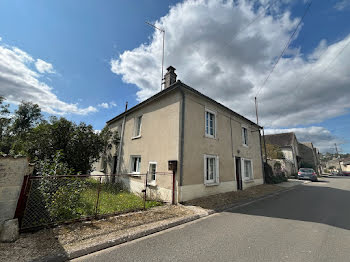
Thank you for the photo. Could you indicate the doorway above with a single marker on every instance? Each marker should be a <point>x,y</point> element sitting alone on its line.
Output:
<point>238,174</point>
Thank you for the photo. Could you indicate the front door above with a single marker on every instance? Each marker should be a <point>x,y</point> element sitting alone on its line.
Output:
<point>238,173</point>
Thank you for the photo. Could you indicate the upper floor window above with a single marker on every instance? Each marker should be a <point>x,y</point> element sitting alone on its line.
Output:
<point>244,136</point>
<point>137,126</point>
<point>210,123</point>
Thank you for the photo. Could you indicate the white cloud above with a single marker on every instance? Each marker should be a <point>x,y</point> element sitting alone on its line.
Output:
<point>0,38</point>
<point>44,67</point>
<point>19,82</point>
<point>321,137</point>
<point>342,4</point>
<point>107,105</point>
<point>219,51</point>
<point>104,105</point>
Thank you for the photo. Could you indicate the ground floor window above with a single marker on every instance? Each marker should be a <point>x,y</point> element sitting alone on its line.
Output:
<point>152,171</point>
<point>247,169</point>
<point>211,169</point>
<point>135,164</point>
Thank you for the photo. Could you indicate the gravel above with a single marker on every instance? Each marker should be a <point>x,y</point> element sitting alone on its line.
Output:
<point>67,238</point>
<point>219,201</point>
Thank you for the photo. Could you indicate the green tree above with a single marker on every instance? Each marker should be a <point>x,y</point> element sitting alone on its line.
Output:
<point>4,126</point>
<point>26,117</point>
<point>274,152</point>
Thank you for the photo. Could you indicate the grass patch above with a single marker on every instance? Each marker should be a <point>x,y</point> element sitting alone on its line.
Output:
<point>113,198</point>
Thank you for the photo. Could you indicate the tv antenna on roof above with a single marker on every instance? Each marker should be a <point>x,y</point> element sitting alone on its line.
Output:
<point>163,32</point>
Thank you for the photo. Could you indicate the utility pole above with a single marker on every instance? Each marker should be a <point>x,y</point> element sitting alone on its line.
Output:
<point>256,111</point>
<point>336,150</point>
<point>163,32</point>
<point>257,122</point>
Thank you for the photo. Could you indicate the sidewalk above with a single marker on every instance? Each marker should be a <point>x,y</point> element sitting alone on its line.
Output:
<point>81,238</point>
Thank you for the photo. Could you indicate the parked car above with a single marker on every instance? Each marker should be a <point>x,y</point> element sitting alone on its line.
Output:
<point>307,173</point>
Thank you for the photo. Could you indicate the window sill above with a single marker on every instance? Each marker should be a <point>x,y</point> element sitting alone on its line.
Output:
<point>248,181</point>
<point>135,174</point>
<point>152,184</point>
<point>209,136</point>
<point>136,137</point>
<point>245,145</point>
<point>212,184</point>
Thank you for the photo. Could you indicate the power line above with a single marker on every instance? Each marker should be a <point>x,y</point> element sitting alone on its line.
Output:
<point>285,48</point>
<point>310,71</point>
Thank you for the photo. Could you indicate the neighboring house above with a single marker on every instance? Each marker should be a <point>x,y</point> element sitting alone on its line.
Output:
<point>310,156</point>
<point>216,149</point>
<point>288,144</point>
<point>333,164</point>
<point>345,165</point>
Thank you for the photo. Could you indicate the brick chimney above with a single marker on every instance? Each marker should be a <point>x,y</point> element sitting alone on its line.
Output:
<point>169,77</point>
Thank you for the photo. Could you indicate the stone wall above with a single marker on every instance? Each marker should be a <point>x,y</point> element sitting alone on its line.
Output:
<point>12,172</point>
<point>286,166</point>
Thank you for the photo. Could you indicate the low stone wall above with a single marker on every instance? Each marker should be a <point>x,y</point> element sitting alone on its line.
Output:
<point>12,172</point>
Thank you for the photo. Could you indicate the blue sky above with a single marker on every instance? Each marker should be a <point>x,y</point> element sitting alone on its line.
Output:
<point>91,53</point>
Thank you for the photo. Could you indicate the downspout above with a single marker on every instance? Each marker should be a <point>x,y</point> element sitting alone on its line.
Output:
<point>262,159</point>
<point>121,140</point>
<point>182,134</point>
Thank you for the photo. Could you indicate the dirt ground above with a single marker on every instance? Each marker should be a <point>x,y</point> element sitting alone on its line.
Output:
<point>67,238</point>
<point>64,239</point>
<point>216,202</point>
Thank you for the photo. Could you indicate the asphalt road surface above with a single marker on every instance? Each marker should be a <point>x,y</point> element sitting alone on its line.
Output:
<point>308,223</point>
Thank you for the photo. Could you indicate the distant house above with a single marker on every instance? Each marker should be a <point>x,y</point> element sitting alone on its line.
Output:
<point>345,165</point>
<point>310,156</point>
<point>216,149</point>
<point>288,144</point>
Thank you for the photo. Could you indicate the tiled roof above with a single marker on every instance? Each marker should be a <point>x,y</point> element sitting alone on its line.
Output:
<point>283,139</point>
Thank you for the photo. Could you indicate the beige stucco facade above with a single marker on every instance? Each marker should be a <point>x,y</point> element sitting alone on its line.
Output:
<point>160,141</point>
<point>227,145</point>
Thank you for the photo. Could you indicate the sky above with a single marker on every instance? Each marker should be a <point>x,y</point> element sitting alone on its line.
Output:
<point>83,60</point>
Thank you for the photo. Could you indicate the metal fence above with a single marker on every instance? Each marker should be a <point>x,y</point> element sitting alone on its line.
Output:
<point>55,199</point>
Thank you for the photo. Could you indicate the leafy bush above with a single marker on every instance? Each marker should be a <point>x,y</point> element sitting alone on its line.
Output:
<point>61,195</point>
<point>271,178</point>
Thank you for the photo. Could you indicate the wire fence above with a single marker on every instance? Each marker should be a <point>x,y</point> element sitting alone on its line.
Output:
<point>56,199</point>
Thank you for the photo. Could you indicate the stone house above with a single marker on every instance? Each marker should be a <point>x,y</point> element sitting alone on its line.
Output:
<point>216,149</point>
<point>310,155</point>
<point>288,144</point>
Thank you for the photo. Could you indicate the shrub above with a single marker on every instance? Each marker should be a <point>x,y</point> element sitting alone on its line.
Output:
<point>61,196</point>
<point>271,178</point>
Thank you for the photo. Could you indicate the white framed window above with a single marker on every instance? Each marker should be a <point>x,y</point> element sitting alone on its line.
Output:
<point>152,171</point>
<point>247,169</point>
<point>135,164</point>
<point>137,126</point>
<point>211,169</point>
<point>210,123</point>
<point>245,136</point>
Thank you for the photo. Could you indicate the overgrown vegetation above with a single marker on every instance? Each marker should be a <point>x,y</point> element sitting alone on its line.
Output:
<point>61,198</point>
<point>273,178</point>
<point>26,132</point>
<point>273,152</point>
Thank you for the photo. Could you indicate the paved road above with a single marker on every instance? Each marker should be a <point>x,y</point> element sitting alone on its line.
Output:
<point>308,223</point>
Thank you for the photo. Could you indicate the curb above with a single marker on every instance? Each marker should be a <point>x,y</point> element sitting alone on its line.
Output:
<point>123,239</point>
<point>126,238</point>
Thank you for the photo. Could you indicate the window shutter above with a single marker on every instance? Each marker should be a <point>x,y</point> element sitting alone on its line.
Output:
<point>217,180</point>
<point>205,170</point>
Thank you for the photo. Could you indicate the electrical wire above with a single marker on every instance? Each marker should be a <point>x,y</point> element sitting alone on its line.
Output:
<point>285,48</point>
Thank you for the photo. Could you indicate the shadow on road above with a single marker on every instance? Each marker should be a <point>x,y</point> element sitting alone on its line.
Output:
<point>319,204</point>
